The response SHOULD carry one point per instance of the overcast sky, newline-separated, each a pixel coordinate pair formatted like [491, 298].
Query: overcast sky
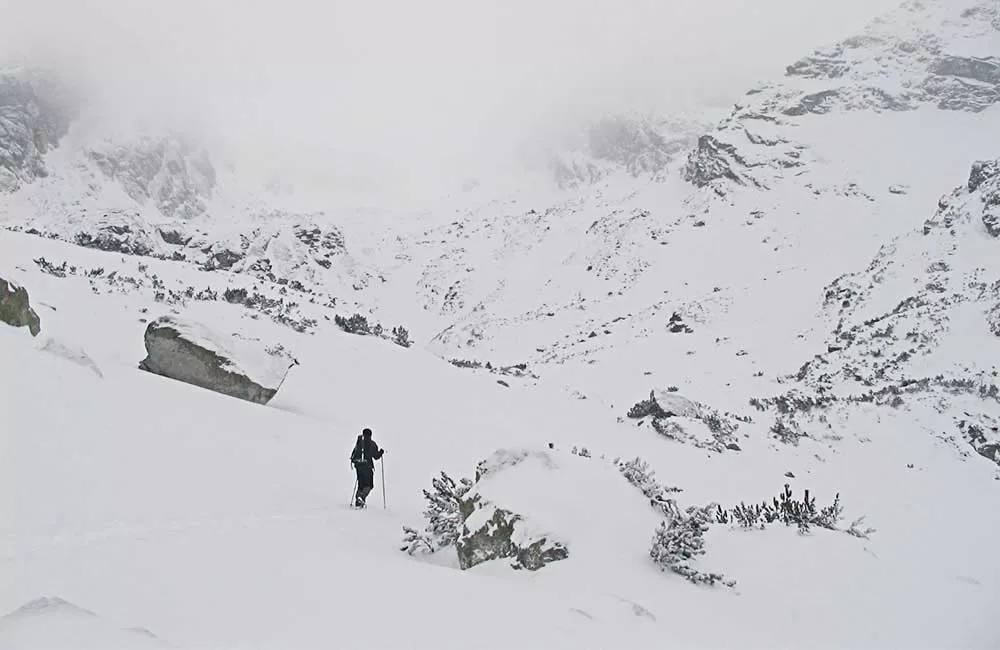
[418, 80]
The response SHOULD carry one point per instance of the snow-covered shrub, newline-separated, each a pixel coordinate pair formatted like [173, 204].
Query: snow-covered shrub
[401, 337]
[237, 296]
[443, 514]
[356, 324]
[638, 473]
[858, 529]
[788, 432]
[668, 428]
[646, 407]
[786, 509]
[719, 425]
[680, 540]
[465, 363]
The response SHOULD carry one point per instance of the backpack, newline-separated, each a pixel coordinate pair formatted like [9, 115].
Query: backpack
[358, 455]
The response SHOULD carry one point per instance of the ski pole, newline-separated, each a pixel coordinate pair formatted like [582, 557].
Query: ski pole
[354, 494]
[382, 462]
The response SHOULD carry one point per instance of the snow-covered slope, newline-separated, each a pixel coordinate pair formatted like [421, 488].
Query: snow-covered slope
[802, 297]
[212, 521]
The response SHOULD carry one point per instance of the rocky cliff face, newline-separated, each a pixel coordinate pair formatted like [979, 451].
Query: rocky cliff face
[639, 146]
[33, 118]
[925, 54]
[166, 172]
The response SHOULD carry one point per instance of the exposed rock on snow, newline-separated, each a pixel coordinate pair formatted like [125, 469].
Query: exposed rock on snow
[117, 232]
[492, 533]
[715, 160]
[191, 353]
[15, 308]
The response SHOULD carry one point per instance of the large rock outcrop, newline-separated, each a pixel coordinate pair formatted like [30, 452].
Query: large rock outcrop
[15, 308]
[191, 353]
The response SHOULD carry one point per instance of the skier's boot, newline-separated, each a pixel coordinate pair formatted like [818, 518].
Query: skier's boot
[359, 503]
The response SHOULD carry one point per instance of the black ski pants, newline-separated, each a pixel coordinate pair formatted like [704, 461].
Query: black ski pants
[366, 478]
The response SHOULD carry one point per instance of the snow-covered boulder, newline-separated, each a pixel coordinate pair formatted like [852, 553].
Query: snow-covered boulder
[189, 352]
[15, 309]
[703, 426]
[492, 533]
[676, 405]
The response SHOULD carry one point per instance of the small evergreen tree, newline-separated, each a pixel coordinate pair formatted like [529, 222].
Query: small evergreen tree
[401, 337]
[638, 473]
[443, 515]
[646, 407]
[677, 542]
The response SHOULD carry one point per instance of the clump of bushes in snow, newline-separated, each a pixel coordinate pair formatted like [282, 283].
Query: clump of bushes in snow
[786, 509]
[646, 407]
[787, 431]
[681, 539]
[513, 370]
[640, 475]
[281, 311]
[358, 324]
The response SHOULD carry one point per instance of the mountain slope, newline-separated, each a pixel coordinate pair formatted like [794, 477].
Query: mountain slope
[213, 521]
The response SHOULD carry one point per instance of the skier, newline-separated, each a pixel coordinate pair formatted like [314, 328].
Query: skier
[363, 458]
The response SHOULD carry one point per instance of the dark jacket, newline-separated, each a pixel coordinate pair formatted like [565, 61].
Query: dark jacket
[366, 452]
